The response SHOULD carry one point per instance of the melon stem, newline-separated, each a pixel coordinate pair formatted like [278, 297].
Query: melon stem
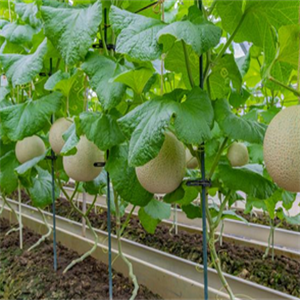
[43, 238]
[128, 263]
[84, 215]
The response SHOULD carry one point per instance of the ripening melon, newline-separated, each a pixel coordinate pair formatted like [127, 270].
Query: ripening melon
[237, 154]
[57, 129]
[191, 161]
[282, 149]
[80, 166]
[29, 148]
[165, 172]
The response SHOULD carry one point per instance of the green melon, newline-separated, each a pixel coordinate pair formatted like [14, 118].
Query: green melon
[165, 172]
[57, 129]
[282, 149]
[80, 166]
[191, 161]
[238, 155]
[29, 148]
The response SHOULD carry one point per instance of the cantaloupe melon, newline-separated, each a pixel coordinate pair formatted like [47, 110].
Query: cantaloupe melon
[282, 149]
[29, 148]
[165, 172]
[80, 166]
[191, 161]
[238, 154]
[57, 129]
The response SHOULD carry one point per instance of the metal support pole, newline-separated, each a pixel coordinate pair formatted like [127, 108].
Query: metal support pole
[53, 193]
[203, 192]
[109, 234]
[108, 195]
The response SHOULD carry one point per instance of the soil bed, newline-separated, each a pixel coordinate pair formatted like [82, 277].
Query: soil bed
[29, 275]
[282, 274]
[263, 219]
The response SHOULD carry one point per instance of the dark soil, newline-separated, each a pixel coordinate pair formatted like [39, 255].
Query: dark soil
[263, 219]
[281, 274]
[29, 275]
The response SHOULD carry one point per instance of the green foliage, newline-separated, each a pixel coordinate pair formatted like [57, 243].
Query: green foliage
[125, 100]
[21, 69]
[26, 119]
[246, 180]
[72, 30]
[124, 178]
[237, 127]
[146, 124]
[195, 31]
[101, 70]
[137, 36]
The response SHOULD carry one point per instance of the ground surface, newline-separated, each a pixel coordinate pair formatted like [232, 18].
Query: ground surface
[29, 275]
[281, 274]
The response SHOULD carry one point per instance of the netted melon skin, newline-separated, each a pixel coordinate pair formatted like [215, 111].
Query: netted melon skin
[165, 172]
[80, 166]
[57, 129]
[238, 155]
[29, 148]
[282, 149]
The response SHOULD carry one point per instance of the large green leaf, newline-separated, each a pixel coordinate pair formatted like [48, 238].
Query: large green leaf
[194, 117]
[101, 70]
[288, 38]
[72, 30]
[17, 33]
[61, 81]
[124, 178]
[71, 140]
[258, 17]
[158, 210]
[137, 36]
[225, 75]
[147, 221]
[28, 12]
[21, 69]
[8, 178]
[26, 119]
[195, 31]
[146, 123]
[22, 169]
[41, 190]
[293, 220]
[101, 129]
[236, 127]
[135, 79]
[174, 61]
[244, 179]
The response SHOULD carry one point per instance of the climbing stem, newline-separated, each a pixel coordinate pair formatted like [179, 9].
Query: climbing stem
[15, 214]
[221, 209]
[295, 92]
[217, 158]
[127, 220]
[217, 264]
[84, 215]
[128, 263]
[187, 63]
[43, 238]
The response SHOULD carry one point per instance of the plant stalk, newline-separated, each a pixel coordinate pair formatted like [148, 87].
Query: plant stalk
[188, 66]
[128, 263]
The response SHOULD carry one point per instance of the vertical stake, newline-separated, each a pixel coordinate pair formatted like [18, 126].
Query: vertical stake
[53, 194]
[203, 191]
[108, 194]
[109, 234]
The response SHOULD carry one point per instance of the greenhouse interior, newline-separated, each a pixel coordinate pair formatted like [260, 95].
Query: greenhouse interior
[150, 149]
